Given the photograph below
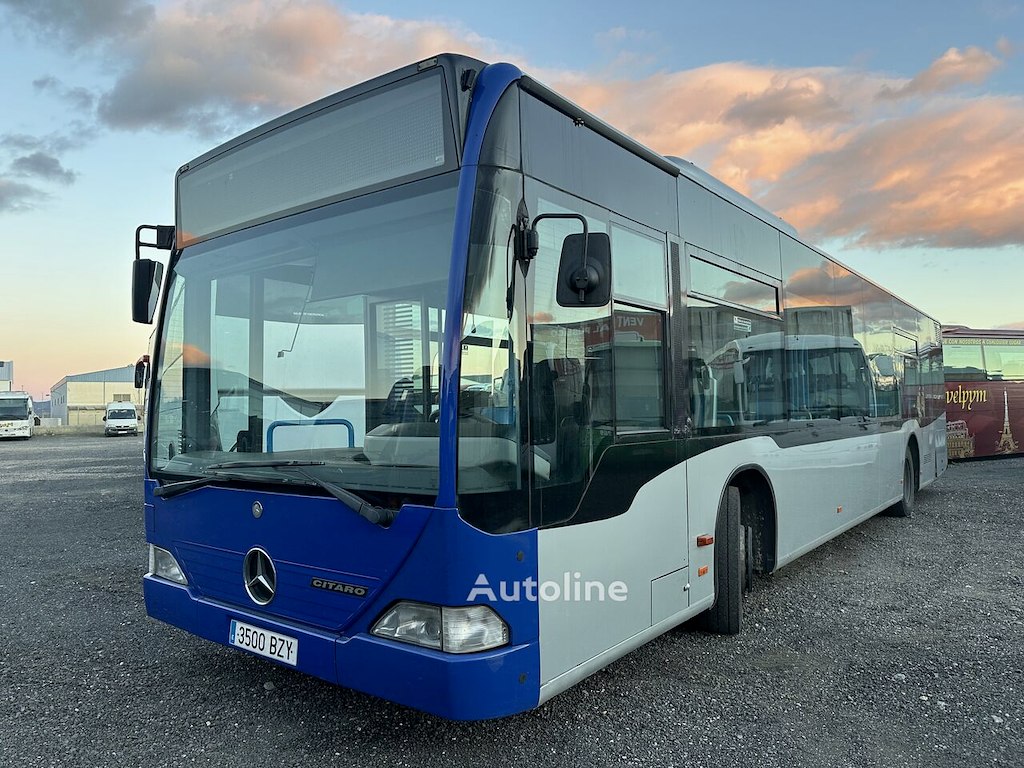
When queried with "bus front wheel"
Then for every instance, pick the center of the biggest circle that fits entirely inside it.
(725, 617)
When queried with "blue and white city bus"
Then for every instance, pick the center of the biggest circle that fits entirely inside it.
(458, 393)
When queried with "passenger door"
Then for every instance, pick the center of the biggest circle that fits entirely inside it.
(606, 491)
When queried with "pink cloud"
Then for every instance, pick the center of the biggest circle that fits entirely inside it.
(820, 148)
(948, 177)
(216, 67)
(953, 68)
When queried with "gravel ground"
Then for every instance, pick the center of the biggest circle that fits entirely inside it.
(900, 643)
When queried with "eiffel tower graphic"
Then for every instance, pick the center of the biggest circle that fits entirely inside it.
(1006, 442)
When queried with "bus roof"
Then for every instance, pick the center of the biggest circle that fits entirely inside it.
(761, 341)
(962, 331)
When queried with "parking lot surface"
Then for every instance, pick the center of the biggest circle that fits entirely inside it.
(899, 643)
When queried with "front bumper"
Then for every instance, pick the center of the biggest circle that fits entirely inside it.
(475, 686)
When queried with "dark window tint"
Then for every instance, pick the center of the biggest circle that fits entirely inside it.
(734, 367)
(638, 271)
(639, 375)
(389, 134)
(825, 380)
(574, 158)
(718, 283)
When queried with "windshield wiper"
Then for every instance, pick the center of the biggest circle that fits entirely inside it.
(268, 463)
(215, 474)
(381, 516)
(184, 486)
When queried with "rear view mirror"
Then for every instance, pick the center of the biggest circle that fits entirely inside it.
(142, 372)
(585, 272)
(147, 276)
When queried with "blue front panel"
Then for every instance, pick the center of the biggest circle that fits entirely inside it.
(210, 530)
(449, 560)
(447, 564)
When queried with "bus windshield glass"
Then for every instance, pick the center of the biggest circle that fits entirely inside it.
(387, 136)
(315, 338)
(14, 409)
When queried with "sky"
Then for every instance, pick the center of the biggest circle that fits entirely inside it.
(890, 134)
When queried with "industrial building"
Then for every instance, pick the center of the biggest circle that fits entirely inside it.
(6, 375)
(81, 399)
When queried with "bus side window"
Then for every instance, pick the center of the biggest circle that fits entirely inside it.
(735, 372)
(764, 393)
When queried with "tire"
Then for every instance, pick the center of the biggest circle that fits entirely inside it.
(725, 617)
(905, 506)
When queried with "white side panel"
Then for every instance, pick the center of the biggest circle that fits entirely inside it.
(648, 541)
(821, 489)
(938, 433)
(890, 482)
(667, 593)
(933, 452)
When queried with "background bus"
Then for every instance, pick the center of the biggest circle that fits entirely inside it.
(446, 366)
(17, 417)
(984, 371)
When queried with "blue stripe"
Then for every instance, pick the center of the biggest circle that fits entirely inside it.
(489, 87)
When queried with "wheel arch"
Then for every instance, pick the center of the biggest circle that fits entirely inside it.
(915, 457)
(759, 511)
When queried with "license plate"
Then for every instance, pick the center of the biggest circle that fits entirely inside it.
(264, 643)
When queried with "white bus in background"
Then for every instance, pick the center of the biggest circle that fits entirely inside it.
(16, 414)
(826, 377)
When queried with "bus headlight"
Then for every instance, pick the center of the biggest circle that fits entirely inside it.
(453, 630)
(472, 628)
(163, 564)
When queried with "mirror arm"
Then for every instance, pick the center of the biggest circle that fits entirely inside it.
(164, 237)
(582, 277)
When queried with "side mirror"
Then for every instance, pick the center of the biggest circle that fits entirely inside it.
(104, 418)
(739, 375)
(585, 271)
(147, 275)
(142, 372)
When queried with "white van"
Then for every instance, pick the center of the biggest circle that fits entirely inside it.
(121, 419)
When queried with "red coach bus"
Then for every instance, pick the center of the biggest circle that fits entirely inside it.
(984, 391)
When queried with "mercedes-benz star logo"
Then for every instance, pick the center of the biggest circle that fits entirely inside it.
(260, 576)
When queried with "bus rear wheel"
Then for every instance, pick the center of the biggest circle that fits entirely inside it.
(905, 506)
(732, 566)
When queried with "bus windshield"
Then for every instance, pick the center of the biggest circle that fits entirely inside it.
(14, 409)
(315, 338)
